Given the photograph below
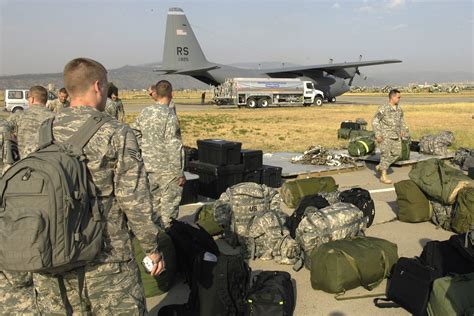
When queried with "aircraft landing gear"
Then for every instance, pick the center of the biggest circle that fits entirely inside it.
(332, 100)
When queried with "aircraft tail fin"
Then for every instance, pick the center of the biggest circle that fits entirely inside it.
(181, 50)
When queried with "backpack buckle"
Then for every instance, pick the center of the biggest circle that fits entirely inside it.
(27, 175)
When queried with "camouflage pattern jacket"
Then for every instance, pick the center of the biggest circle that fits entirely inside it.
(118, 173)
(25, 125)
(159, 135)
(56, 105)
(388, 122)
(111, 108)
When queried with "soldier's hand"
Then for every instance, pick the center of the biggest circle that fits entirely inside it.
(159, 264)
(379, 139)
(402, 134)
(182, 181)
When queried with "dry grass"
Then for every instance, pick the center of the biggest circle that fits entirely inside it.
(294, 129)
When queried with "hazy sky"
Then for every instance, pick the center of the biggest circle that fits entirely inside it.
(39, 36)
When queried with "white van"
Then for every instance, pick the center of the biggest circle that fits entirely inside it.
(17, 99)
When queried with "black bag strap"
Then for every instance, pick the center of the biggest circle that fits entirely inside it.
(88, 129)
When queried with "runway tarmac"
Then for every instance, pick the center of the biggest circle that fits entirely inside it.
(342, 100)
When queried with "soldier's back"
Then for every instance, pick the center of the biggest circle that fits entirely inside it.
(26, 125)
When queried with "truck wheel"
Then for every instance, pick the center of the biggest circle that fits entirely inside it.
(17, 109)
(332, 100)
(318, 101)
(251, 103)
(263, 103)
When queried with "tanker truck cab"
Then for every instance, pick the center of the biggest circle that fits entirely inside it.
(312, 95)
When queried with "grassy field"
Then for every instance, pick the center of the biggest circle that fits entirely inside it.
(295, 129)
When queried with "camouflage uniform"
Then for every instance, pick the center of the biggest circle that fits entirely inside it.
(163, 154)
(120, 110)
(56, 105)
(16, 294)
(111, 108)
(25, 125)
(388, 123)
(112, 284)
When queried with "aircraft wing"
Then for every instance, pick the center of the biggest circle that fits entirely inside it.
(189, 71)
(343, 70)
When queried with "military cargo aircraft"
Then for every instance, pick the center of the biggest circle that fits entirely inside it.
(183, 55)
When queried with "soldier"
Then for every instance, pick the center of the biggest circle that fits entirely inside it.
(111, 284)
(162, 149)
(389, 127)
(25, 124)
(114, 106)
(60, 103)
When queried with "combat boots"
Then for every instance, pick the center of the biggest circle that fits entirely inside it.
(384, 179)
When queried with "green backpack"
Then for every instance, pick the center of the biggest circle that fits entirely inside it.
(293, 191)
(361, 147)
(452, 295)
(163, 282)
(346, 133)
(413, 205)
(463, 217)
(341, 265)
(206, 219)
(50, 190)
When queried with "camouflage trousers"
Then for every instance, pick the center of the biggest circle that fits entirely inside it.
(109, 289)
(16, 294)
(166, 196)
(390, 151)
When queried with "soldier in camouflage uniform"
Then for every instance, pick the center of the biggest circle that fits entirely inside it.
(111, 284)
(159, 134)
(25, 124)
(16, 289)
(60, 103)
(389, 127)
(114, 106)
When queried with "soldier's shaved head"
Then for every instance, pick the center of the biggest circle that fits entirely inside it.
(81, 73)
(392, 93)
(39, 94)
(163, 88)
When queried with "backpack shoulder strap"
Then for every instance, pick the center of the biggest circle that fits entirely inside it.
(46, 133)
(88, 129)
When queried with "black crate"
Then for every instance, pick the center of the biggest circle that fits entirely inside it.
(219, 152)
(253, 176)
(351, 125)
(271, 176)
(190, 154)
(251, 159)
(190, 189)
(213, 180)
(470, 172)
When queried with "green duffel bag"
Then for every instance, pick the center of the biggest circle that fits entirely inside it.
(344, 133)
(341, 265)
(205, 218)
(162, 283)
(405, 150)
(293, 191)
(452, 295)
(463, 218)
(361, 147)
(361, 133)
(413, 205)
(438, 180)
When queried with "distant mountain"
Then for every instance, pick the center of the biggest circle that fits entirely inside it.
(142, 76)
